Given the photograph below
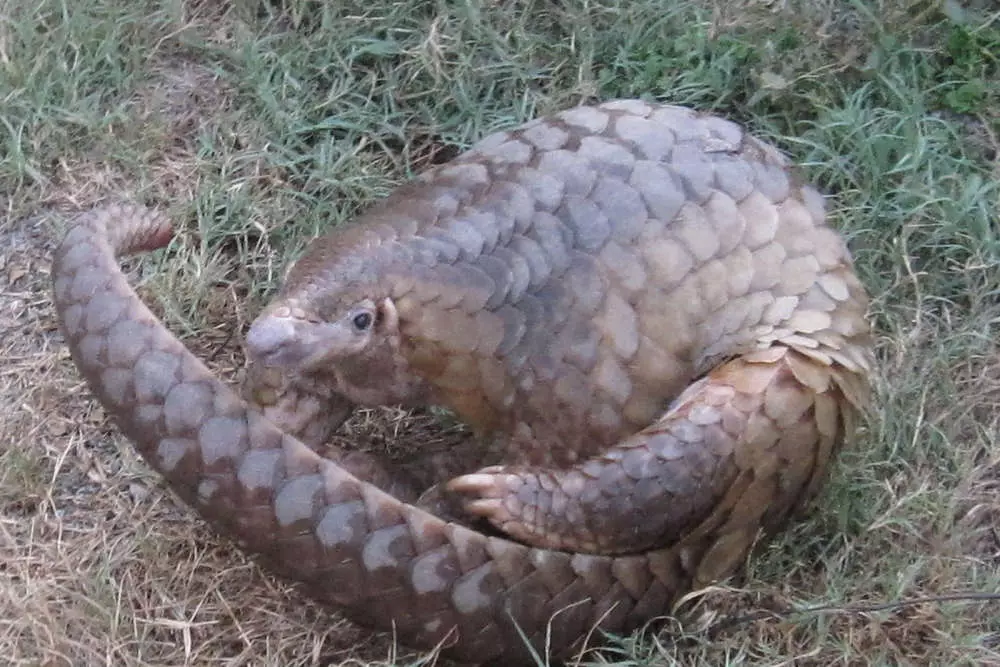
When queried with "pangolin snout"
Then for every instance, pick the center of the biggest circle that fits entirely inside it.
(271, 340)
(294, 342)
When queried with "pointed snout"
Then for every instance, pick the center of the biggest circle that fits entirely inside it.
(269, 335)
(285, 337)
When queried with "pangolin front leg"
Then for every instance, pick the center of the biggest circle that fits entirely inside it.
(312, 414)
(751, 438)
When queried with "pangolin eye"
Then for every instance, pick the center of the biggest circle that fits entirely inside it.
(362, 321)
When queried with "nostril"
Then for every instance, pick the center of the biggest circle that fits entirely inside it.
(268, 335)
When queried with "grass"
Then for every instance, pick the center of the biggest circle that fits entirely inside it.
(257, 124)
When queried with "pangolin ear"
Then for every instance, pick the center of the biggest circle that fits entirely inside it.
(388, 316)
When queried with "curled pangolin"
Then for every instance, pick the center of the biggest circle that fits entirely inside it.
(643, 301)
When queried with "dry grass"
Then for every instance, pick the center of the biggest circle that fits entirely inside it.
(257, 124)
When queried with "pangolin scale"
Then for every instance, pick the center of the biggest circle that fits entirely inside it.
(643, 304)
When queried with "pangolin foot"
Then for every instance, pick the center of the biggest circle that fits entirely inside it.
(505, 499)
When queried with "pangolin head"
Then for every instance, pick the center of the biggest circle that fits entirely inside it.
(334, 323)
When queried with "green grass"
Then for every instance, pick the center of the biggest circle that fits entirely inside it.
(259, 124)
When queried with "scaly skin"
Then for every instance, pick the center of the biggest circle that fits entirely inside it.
(560, 284)
(736, 452)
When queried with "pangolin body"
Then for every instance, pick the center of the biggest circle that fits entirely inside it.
(644, 301)
(561, 284)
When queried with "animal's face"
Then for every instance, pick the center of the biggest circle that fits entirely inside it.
(294, 338)
(352, 352)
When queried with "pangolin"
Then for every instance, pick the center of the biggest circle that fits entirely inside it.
(641, 303)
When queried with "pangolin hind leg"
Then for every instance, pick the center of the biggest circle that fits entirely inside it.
(744, 446)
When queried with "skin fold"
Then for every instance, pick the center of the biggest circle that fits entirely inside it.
(641, 304)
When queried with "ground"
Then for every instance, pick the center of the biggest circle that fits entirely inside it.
(256, 124)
